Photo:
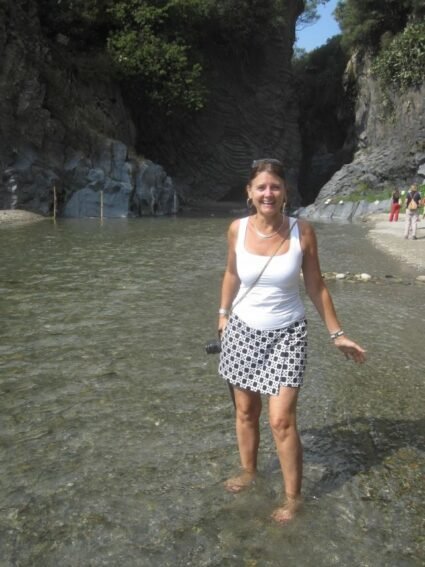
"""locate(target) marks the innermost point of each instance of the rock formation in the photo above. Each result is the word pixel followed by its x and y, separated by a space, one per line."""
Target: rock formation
pixel 252 112
pixel 64 127
pixel 390 139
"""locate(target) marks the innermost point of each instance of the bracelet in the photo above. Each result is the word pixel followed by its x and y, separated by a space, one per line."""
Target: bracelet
pixel 336 334
pixel 225 312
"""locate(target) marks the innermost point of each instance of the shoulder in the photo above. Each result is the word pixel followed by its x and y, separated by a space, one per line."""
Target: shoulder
pixel 305 228
pixel 307 234
pixel 234 228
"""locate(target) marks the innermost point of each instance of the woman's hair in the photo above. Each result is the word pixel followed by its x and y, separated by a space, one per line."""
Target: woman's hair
pixel 270 165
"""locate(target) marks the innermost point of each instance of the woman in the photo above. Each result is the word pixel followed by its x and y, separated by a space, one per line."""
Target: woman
pixel 395 205
pixel 263 327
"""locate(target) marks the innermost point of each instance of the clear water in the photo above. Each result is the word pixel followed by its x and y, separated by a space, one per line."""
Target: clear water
pixel 117 434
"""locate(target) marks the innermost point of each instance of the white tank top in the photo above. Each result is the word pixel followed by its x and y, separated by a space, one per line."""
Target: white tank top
pixel 274 302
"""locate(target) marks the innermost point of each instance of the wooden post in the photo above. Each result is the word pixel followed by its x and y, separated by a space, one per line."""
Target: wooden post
pixel 54 202
pixel 101 206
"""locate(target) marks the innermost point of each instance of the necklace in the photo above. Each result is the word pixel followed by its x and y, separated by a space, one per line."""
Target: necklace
pixel 261 235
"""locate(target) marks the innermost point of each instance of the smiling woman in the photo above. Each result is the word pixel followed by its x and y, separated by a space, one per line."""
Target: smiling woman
pixel 263 326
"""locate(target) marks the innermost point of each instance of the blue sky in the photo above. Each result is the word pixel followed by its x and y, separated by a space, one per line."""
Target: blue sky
pixel 316 35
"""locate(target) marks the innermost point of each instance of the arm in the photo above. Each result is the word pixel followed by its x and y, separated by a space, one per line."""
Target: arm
pixel 320 296
pixel 231 281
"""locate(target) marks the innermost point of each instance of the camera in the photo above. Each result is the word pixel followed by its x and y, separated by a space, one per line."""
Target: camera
pixel 213 347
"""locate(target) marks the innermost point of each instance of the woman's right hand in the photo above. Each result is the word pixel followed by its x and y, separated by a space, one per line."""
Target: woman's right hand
pixel 222 323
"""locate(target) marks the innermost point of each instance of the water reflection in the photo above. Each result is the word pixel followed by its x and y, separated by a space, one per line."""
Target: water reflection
pixel 116 433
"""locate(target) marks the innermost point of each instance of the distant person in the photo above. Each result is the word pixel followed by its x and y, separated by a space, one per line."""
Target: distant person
pixel 395 206
pixel 413 201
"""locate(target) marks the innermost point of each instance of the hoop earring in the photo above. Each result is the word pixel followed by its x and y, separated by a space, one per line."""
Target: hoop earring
pixel 249 203
pixel 283 207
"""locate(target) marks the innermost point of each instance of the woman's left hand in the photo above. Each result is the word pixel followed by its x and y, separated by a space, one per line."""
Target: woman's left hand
pixel 350 349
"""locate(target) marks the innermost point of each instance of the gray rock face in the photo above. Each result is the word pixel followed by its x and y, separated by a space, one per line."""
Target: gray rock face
pixel 390 143
pixel 252 113
pixel 50 140
pixel 344 211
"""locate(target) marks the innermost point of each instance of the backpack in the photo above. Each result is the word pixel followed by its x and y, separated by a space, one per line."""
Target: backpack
pixel 413 205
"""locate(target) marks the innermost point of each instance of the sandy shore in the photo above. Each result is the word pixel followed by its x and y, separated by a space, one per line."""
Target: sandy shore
pixel 385 235
pixel 16 216
pixel 389 237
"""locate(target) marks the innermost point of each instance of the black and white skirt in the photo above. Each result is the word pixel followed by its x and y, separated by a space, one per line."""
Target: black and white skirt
pixel 263 361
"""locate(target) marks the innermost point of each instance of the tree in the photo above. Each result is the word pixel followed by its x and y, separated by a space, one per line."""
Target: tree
pixel 162 46
pixel 364 23
pixel 402 63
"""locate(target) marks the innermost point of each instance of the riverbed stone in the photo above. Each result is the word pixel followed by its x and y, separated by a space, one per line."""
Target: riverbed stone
pixel 364 277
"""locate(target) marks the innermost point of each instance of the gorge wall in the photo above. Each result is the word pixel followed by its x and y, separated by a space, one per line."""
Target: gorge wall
pixel 65 126
pixel 252 113
pixel 389 141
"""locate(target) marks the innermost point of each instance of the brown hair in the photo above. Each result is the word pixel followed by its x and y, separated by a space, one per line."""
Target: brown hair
pixel 270 165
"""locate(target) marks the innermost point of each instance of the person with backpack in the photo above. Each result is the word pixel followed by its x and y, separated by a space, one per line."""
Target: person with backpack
pixel 413 200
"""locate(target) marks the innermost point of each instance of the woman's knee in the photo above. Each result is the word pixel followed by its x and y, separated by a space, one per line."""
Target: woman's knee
pixel 283 425
pixel 248 413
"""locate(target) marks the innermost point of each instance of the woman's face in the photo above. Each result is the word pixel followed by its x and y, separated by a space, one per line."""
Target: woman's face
pixel 268 193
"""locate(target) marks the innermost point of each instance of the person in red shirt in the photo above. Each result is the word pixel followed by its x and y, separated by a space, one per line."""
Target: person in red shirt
pixel 395 205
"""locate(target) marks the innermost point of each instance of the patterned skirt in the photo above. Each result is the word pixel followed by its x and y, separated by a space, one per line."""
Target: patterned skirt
pixel 263 361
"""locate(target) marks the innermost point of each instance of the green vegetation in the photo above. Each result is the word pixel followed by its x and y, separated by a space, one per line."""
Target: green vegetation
pixel 365 193
pixel 393 31
pixel 367 24
pixel 402 63
pixel 162 46
pixel 142 45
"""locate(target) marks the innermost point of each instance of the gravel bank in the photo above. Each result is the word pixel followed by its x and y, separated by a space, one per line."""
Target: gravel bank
pixel 16 216
pixel 389 237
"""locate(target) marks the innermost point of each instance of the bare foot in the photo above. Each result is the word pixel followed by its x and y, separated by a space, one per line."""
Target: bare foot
pixel 287 512
pixel 240 482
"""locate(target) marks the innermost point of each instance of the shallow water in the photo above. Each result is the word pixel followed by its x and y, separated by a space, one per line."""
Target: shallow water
pixel 116 433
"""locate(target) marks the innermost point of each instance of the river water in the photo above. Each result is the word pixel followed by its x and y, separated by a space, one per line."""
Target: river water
pixel 117 434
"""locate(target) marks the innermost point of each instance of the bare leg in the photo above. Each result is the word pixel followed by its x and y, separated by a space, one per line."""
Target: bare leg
pixel 282 415
pixel 248 410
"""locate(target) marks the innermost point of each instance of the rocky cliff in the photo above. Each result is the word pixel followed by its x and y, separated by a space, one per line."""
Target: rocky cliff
pixel 64 127
pixel 67 128
pixel 389 139
pixel 252 112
